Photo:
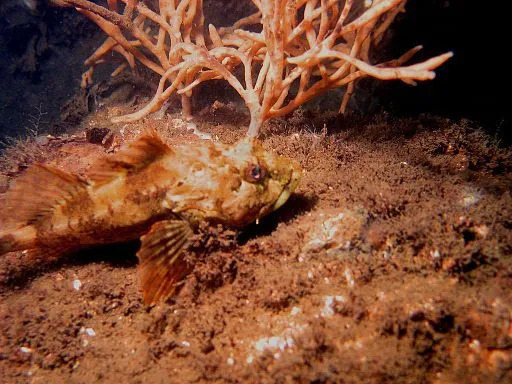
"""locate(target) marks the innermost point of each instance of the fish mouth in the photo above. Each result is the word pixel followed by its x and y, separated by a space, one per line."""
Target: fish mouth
pixel 288 189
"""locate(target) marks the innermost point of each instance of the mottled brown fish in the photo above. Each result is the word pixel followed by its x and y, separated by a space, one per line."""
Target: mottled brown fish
pixel 151 190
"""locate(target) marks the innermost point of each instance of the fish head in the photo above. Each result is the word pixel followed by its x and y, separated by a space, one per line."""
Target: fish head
pixel 265 181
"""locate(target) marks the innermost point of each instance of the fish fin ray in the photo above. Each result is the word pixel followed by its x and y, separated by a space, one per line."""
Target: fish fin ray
pixel 37 192
pixel 161 258
pixel 145 150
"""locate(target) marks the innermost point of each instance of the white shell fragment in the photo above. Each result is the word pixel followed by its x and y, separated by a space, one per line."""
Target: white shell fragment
pixel 274 342
pixel 77 284
pixel 295 311
pixel 25 350
pixel 328 310
pixel 334 232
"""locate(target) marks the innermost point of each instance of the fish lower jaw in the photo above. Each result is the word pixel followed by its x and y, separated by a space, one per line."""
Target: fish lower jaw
pixel 283 197
pixel 288 189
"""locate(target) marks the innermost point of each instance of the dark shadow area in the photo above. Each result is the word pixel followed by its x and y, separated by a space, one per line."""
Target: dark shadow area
pixel 462 87
pixel 41 62
pixel 297 205
pixel 122 255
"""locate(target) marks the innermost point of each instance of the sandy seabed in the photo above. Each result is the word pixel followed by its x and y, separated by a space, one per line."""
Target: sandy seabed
pixel 392 263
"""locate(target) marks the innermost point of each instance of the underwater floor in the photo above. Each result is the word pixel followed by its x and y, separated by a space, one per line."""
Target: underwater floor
pixel 392 262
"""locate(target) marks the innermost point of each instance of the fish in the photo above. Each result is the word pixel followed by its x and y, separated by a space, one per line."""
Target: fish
pixel 150 190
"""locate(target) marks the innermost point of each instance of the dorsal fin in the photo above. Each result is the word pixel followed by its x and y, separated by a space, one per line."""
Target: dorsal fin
pixel 37 192
pixel 137 155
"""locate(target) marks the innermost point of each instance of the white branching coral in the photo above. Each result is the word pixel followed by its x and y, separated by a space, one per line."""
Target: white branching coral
pixel 303 49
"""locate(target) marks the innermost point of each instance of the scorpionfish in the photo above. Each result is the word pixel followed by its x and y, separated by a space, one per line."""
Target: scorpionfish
pixel 151 190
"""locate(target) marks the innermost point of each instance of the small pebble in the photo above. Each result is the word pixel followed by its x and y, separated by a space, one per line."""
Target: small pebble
pixel 350 280
pixel 481 231
pixel 231 361
pixel 41 140
pixel 90 332
pixel 475 344
pixel 26 350
pixel 327 310
pixel 77 284
pixel 295 311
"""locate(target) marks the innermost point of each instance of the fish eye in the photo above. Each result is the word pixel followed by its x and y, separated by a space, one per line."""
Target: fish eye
pixel 255 173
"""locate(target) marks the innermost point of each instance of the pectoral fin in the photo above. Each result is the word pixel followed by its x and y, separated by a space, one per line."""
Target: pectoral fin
pixel 161 258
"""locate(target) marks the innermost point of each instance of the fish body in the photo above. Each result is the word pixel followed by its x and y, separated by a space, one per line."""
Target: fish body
pixel 147 189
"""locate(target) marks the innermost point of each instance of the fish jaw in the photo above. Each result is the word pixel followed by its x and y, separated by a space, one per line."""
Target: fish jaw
pixel 289 188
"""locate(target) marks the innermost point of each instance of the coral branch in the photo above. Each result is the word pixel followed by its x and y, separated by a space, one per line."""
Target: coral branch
pixel 305 48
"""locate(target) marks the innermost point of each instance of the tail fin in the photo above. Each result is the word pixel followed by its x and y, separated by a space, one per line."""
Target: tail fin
pixel 32 198
pixel 35 194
